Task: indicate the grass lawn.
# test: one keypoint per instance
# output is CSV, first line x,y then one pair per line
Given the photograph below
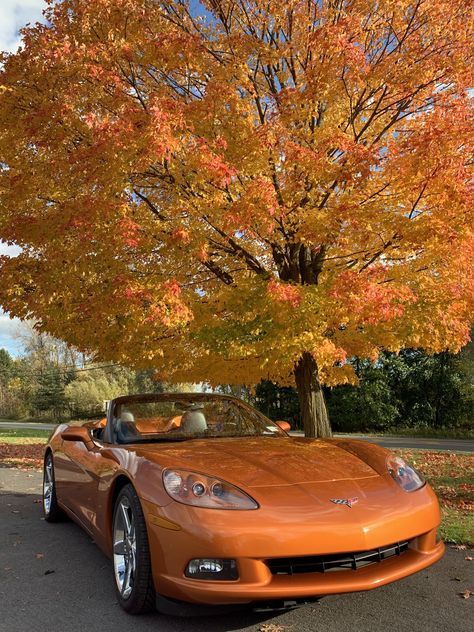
x,y
23,437
451,476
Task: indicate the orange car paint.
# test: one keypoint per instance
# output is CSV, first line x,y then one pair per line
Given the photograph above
x,y
295,516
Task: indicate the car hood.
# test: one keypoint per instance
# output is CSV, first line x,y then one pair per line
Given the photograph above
x,y
261,462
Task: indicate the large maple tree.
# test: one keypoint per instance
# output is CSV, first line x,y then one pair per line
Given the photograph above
x,y
236,189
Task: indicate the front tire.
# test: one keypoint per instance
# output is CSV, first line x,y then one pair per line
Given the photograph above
x,y
131,554
51,510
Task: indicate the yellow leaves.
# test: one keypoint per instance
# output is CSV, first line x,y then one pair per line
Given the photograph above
x,y
163,174
331,375
285,293
256,204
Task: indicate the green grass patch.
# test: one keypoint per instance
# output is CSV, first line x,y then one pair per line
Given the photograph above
x,y
457,527
29,420
23,437
452,477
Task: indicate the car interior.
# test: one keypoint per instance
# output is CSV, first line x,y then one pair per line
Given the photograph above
x,y
148,421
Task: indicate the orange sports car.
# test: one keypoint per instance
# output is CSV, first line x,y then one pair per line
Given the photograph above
x,y
199,498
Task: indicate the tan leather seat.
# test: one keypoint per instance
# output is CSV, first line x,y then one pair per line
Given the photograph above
x,y
158,424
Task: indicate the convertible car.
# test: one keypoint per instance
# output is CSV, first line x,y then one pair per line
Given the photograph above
x,y
200,499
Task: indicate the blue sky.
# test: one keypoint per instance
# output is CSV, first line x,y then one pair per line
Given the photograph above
x,y
16,13
8,326
13,15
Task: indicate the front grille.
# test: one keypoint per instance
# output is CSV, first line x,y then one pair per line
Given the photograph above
x,y
334,562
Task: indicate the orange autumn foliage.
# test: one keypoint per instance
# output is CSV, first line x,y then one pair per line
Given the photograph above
x,y
213,190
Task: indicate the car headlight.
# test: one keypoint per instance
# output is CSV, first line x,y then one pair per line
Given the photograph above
x,y
199,490
404,474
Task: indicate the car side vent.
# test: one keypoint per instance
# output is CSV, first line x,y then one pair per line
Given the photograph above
x,y
335,562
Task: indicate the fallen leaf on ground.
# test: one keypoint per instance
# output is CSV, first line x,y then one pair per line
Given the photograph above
x,y
48,572
39,556
466,594
468,558
459,547
23,457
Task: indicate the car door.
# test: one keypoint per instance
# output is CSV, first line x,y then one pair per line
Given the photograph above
x,y
77,469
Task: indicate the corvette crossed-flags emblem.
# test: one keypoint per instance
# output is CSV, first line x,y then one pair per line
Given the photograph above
x,y
345,501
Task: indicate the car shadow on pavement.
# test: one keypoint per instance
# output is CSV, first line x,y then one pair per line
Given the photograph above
x,y
55,577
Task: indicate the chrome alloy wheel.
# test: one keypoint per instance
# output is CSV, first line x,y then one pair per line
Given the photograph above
x,y
125,548
48,485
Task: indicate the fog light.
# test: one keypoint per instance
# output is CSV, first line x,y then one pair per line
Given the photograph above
x,y
212,569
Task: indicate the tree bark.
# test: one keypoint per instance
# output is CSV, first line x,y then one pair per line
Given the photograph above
x,y
311,396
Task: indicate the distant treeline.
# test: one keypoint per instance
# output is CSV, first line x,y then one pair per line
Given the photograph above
x,y
408,390
28,391
54,381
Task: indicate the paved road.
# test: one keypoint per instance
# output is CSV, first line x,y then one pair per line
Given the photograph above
x,y
417,443
19,425
54,579
451,445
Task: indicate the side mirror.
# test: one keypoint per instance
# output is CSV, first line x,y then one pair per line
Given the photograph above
x,y
78,433
284,425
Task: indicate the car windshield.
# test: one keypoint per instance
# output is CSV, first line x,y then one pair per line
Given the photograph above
x,y
184,417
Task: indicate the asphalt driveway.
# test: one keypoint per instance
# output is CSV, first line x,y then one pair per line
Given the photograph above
x,y
54,579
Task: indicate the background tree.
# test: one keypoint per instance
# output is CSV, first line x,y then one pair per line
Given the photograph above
x,y
278,402
87,393
6,366
43,350
9,402
431,391
370,406
411,391
52,380
50,396
247,189
145,381
408,390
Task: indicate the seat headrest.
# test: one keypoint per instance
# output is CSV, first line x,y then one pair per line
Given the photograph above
x,y
193,421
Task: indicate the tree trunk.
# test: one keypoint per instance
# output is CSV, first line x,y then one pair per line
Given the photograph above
x,y
311,396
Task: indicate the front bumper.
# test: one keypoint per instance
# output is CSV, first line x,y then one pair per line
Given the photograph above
x,y
257,583
292,527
